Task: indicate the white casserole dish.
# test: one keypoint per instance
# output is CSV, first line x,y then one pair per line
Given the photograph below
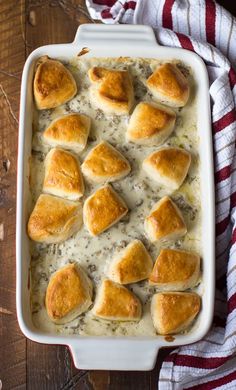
x,y
116,353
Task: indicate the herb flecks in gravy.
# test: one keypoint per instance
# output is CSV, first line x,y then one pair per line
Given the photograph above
x,y
139,192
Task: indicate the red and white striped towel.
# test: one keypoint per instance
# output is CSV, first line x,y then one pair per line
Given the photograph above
x,y
208,29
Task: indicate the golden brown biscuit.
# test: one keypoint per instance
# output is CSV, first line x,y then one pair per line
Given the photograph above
x,y
165,221
116,303
54,219
169,85
62,175
69,131
173,312
69,294
53,84
105,163
175,270
112,90
168,166
150,124
133,265
103,209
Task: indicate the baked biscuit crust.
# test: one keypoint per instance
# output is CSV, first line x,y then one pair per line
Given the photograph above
x,y
112,90
150,124
69,131
169,85
175,270
62,175
168,166
103,209
69,294
105,163
54,219
116,302
165,221
53,84
173,312
134,264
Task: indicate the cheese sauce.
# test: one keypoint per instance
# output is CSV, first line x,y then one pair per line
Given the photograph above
x,y
139,192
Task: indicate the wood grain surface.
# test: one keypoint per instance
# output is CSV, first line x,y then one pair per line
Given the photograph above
x,y
25,25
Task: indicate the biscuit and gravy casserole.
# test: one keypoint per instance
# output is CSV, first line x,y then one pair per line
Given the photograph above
x,y
115,211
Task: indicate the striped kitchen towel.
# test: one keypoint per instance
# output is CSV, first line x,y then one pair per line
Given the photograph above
x,y
210,31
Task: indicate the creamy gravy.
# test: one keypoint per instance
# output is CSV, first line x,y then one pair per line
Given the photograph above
x,y
139,192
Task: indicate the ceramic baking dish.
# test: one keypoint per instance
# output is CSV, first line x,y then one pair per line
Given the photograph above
x,y
116,353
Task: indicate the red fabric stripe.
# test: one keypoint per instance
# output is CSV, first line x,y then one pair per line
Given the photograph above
x,y
232,77
233,238
225,121
215,383
233,200
223,174
166,16
108,3
232,303
106,14
196,361
210,21
185,41
129,5
222,226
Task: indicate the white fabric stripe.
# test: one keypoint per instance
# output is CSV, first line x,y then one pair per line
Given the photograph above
x,y
229,196
223,208
219,189
228,386
205,353
232,45
225,158
233,268
228,368
230,322
222,40
209,373
221,216
184,377
232,254
216,87
231,262
180,19
175,17
225,101
218,31
202,7
218,114
193,382
225,202
232,143
231,284
160,12
224,105
223,187
215,336
225,136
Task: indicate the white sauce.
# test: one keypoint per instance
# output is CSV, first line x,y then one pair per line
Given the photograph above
x,y
138,191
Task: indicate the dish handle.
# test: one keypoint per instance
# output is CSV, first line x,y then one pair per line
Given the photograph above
x,y
114,354
92,35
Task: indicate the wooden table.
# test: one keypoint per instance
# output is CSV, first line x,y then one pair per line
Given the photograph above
x,y
25,25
